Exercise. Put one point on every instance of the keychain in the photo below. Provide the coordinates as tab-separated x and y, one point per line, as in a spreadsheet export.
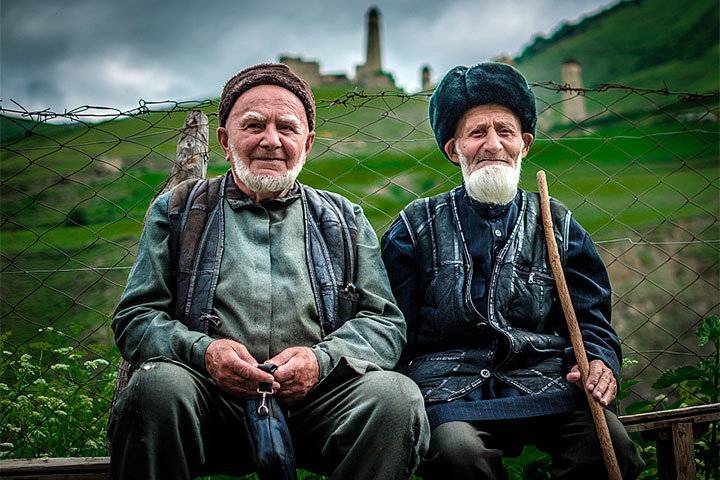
265	388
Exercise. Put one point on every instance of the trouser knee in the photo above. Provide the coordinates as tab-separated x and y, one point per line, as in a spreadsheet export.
395	398
629	460
580	456
459	450
394	416
159	393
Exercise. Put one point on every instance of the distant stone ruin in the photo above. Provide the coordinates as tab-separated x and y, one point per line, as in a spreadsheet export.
368	75
573	101
310	71
506	59
371	74
425	81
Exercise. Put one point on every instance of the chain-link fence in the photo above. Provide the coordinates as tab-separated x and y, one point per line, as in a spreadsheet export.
638	167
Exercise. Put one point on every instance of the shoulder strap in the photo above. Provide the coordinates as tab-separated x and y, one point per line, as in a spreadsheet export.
190	204
331	246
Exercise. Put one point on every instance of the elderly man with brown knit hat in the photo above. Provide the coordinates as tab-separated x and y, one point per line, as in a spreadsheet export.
251	269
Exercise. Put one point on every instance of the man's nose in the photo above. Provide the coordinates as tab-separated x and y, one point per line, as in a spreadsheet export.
271	138
492	141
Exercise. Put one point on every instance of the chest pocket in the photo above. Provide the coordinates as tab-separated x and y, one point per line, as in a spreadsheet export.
443	319
531	297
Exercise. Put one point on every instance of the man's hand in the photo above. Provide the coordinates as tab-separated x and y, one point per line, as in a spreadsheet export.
297	372
233	368
600	381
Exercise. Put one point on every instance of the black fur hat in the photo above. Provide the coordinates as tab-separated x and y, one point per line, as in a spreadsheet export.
463	88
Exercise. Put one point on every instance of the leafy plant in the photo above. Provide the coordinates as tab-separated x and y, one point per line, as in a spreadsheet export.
694	385
54	400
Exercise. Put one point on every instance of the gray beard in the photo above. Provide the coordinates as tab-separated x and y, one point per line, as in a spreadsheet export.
264	183
496	184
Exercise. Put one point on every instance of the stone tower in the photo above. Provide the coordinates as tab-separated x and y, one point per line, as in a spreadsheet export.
573	102
425	84
371	74
373	60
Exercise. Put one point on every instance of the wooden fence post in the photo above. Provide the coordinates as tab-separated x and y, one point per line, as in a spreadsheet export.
191	155
191	160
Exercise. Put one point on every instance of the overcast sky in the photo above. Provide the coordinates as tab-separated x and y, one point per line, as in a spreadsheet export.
64	54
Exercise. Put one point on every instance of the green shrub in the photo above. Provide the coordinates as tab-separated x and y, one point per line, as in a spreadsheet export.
54	400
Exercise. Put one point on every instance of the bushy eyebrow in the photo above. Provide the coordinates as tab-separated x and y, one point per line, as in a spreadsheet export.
259	117
506	124
498	123
291	120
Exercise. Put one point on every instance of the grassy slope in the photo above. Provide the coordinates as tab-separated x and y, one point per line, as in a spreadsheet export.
647	43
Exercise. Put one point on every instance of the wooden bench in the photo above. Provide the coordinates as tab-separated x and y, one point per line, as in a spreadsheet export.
673	430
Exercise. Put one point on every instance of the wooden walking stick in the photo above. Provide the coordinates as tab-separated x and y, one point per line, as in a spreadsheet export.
596	409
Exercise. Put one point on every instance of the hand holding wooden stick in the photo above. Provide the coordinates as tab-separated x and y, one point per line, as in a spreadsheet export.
596	409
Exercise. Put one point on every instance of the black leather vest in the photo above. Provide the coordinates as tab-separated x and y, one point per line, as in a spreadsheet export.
521	291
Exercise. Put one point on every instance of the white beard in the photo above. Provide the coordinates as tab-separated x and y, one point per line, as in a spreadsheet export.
496	184
264	183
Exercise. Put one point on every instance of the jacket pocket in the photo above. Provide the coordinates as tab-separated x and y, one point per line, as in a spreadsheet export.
533	294
544	377
443	376
535	275
347	300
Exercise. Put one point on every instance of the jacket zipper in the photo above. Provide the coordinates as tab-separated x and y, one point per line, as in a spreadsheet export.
496	275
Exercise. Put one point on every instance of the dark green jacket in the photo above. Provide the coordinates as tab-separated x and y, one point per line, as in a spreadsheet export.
147	325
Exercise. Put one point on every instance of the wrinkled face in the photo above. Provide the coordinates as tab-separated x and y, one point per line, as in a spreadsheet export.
266	138
489	146
488	135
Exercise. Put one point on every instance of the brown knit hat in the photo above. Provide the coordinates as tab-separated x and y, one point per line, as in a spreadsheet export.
266	74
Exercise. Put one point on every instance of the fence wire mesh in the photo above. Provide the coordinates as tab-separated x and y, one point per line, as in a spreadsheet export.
638	167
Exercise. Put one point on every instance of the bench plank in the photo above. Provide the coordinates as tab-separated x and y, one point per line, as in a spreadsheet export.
666	418
87	468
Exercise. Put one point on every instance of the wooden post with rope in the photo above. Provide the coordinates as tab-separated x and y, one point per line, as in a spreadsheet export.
597	410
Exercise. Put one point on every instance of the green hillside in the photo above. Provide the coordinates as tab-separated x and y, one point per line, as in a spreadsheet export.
643	43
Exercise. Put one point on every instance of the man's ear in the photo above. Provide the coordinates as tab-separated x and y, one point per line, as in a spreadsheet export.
309	142
222	137
527	139
450	151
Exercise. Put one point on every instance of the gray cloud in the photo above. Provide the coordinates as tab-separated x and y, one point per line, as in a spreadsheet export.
113	53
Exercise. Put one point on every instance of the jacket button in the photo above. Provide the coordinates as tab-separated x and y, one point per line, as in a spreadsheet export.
485	373
498	233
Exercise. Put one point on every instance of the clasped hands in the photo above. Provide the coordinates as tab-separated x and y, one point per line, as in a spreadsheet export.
235	371
600	382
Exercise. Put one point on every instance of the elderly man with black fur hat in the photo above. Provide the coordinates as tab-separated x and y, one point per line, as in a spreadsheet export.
487	342
250	269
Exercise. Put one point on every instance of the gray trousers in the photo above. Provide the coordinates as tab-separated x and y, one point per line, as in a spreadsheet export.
172	422
462	450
